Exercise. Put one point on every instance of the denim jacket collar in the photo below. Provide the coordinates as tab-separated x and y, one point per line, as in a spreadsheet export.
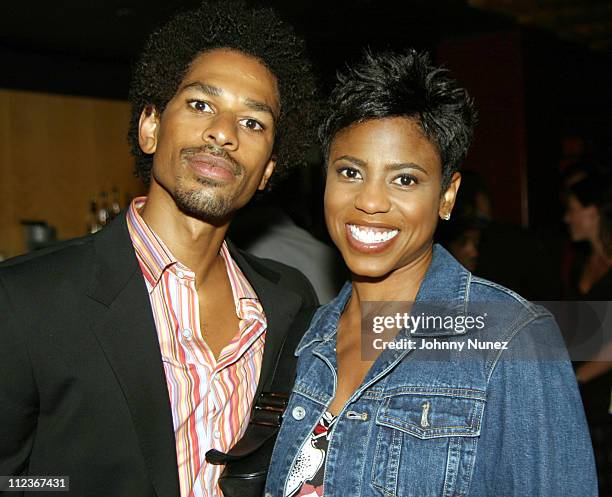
446	282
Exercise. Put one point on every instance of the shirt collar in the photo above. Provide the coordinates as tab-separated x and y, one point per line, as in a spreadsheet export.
155	258
153	255
241	288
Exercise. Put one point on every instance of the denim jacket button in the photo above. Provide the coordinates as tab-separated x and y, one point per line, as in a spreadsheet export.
298	413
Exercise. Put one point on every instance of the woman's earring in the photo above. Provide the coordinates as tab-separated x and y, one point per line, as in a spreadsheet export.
446	216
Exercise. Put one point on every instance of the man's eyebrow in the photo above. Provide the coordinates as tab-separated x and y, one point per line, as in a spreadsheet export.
260	107
217	92
204	88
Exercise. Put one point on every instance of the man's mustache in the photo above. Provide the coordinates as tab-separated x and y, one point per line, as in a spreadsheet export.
237	167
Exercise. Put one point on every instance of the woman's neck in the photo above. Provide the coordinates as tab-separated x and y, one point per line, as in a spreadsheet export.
401	284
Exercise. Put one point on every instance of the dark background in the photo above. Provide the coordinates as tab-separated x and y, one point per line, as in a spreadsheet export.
540	71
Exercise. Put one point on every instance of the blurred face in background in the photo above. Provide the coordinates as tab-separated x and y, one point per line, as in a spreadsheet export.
465	248
582	221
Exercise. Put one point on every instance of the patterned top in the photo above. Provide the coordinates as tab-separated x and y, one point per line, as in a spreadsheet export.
210	398
308	470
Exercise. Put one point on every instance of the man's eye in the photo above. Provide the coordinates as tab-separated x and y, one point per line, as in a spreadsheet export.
200	105
252	124
349	172
405	180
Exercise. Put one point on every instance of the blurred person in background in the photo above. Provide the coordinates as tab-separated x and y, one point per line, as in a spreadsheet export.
586	216
507	254
269	228
574	252
589	220
461	234
464	245
461	237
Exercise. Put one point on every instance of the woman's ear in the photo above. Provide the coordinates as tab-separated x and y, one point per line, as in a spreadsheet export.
447	201
148	127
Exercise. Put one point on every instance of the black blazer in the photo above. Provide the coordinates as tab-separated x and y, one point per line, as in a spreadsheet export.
82	386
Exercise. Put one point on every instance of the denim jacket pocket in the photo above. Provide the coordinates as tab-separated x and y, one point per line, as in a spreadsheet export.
426	442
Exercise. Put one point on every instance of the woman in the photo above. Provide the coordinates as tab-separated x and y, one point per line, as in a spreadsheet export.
390	418
589	219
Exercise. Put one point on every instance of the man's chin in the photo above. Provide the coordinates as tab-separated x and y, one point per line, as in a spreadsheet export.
214	209
211	182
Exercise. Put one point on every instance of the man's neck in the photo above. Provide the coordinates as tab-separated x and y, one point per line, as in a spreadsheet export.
194	242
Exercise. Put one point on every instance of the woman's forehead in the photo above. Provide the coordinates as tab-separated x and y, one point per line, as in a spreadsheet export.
385	141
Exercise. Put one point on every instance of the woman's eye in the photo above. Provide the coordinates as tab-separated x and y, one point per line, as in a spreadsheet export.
405	180
200	105
349	172
252	124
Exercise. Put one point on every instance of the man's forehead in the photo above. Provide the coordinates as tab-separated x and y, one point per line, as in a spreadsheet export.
236	72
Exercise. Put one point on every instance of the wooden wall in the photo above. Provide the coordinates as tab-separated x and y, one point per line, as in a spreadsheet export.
56	153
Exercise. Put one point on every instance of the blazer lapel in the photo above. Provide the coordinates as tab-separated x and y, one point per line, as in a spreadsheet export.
279	304
123	323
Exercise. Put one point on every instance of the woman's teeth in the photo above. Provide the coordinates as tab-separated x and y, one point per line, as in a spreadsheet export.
366	235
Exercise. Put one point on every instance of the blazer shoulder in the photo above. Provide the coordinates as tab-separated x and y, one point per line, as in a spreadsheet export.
50	264
286	276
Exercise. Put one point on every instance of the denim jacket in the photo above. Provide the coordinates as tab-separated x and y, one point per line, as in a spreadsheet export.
480	423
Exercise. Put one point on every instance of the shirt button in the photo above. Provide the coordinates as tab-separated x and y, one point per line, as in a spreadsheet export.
217	434
298	413
180	274
187	333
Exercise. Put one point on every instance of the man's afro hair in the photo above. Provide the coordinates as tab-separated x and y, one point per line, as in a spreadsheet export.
232	24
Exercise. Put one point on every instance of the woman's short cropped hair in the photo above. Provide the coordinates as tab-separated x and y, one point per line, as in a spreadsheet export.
389	84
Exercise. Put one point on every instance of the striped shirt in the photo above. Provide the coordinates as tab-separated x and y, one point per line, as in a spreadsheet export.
211	398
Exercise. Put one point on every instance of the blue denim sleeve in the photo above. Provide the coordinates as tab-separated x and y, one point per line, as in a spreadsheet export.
534	437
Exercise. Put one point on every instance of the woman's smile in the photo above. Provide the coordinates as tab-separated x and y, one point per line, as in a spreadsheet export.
383	195
370	239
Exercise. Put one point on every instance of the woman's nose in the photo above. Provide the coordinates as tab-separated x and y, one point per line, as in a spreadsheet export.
372	198
221	131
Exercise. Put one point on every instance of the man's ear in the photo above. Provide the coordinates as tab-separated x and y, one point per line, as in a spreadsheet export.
449	196
267	173
148	127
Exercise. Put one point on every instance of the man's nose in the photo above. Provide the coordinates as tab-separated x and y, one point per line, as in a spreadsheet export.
372	198
221	131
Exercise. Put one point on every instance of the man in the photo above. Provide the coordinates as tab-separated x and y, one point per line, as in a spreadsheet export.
127	355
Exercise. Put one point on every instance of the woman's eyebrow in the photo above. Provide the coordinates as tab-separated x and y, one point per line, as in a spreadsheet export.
395	166
405	165
350	158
